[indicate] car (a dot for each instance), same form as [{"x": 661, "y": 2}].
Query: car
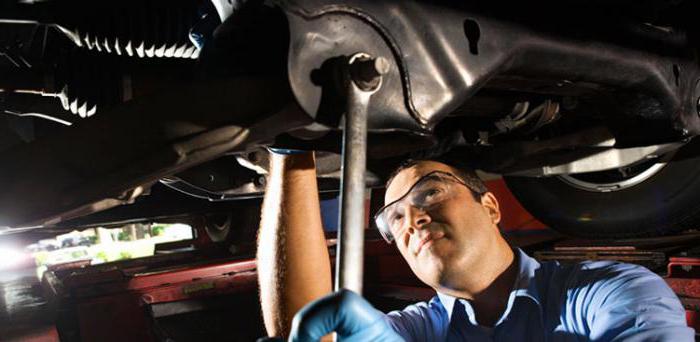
[
  {"x": 44, "y": 245},
  {"x": 588, "y": 109},
  {"x": 75, "y": 241}
]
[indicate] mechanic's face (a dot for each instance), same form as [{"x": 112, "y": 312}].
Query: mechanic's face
[{"x": 442, "y": 242}]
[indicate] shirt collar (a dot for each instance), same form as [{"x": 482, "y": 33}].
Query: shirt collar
[{"x": 524, "y": 286}]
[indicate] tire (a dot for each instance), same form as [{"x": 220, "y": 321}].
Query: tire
[{"x": 665, "y": 202}]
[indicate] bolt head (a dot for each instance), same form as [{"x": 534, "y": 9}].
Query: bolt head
[
  {"x": 366, "y": 72},
  {"x": 382, "y": 65},
  {"x": 260, "y": 181}
]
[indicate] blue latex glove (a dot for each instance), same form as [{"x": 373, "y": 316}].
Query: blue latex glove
[
  {"x": 277, "y": 150},
  {"x": 346, "y": 313}
]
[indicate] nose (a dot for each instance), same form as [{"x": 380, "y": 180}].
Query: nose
[{"x": 418, "y": 219}]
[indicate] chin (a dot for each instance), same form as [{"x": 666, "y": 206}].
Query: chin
[
  {"x": 433, "y": 275},
  {"x": 432, "y": 280}
]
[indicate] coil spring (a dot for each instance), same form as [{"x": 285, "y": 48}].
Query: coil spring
[
  {"x": 15, "y": 41},
  {"x": 84, "y": 84},
  {"x": 143, "y": 28}
]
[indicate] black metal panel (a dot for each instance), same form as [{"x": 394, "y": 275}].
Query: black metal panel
[{"x": 441, "y": 55}]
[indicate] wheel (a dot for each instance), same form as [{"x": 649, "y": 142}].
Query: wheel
[{"x": 653, "y": 198}]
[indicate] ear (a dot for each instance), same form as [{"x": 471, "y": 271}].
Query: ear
[{"x": 489, "y": 201}]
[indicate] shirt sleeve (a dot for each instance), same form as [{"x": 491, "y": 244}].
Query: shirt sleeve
[
  {"x": 623, "y": 302},
  {"x": 420, "y": 322}
]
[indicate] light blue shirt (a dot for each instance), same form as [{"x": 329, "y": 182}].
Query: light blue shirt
[{"x": 589, "y": 301}]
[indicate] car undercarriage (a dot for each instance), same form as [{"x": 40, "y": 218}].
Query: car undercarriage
[{"x": 587, "y": 108}]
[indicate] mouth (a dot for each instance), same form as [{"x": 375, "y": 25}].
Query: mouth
[{"x": 428, "y": 240}]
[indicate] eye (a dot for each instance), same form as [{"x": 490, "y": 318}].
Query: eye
[
  {"x": 430, "y": 195},
  {"x": 395, "y": 224},
  {"x": 433, "y": 192},
  {"x": 395, "y": 217}
]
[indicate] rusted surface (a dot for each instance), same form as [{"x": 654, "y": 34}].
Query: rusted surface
[
  {"x": 685, "y": 287},
  {"x": 684, "y": 278}
]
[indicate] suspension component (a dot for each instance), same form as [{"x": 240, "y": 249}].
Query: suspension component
[
  {"x": 76, "y": 79},
  {"x": 84, "y": 84},
  {"x": 142, "y": 28},
  {"x": 527, "y": 120}
]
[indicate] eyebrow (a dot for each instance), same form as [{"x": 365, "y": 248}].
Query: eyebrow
[
  {"x": 390, "y": 211},
  {"x": 420, "y": 179}
]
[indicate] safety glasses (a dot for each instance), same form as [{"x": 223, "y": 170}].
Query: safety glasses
[{"x": 425, "y": 194}]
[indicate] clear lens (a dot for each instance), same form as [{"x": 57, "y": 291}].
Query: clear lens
[
  {"x": 428, "y": 191},
  {"x": 382, "y": 226}
]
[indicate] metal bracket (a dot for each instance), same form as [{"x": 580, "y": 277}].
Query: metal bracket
[{"x": 607, "y": 158}]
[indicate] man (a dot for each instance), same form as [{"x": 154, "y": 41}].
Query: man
[{"x": 444, "y": 223}]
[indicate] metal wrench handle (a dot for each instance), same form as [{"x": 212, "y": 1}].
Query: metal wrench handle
[{"x": 364, "y": 76}]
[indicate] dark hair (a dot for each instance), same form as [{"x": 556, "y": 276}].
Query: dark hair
[{"x": 467, "y": 175}]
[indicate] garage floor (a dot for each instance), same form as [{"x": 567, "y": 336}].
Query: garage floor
[{"x": 24, "y": 314}]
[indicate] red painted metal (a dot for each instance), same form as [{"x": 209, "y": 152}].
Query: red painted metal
[
  {"x": 69, "y": 265},
  {"x": 683, "y": 276},
  {"x": 33, "y": 333},
  {"x": 236, "y": 283},
  {"x": 113, "y": 318},
  {"x": 685, "y": 287},
  {"x": 185, "y": 274},
  {"x": 513, "y": 216},
  {"x": 693, "y": 319},
  {"x": 110, "y": 304},
  {"x": 677, "y": 264}
]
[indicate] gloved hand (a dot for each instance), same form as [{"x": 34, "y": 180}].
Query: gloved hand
[{"x": 346, "y": 313}]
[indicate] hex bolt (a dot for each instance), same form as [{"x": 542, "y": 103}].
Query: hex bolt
[
  {"x": 260, "y": 181},
  {"x": 366, "y": 72}
]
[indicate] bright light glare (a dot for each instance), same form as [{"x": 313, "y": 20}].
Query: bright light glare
[{"x": 10, "y": 258}]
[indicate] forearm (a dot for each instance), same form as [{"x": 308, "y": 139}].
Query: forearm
[{"x": 293, "y": 262}]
